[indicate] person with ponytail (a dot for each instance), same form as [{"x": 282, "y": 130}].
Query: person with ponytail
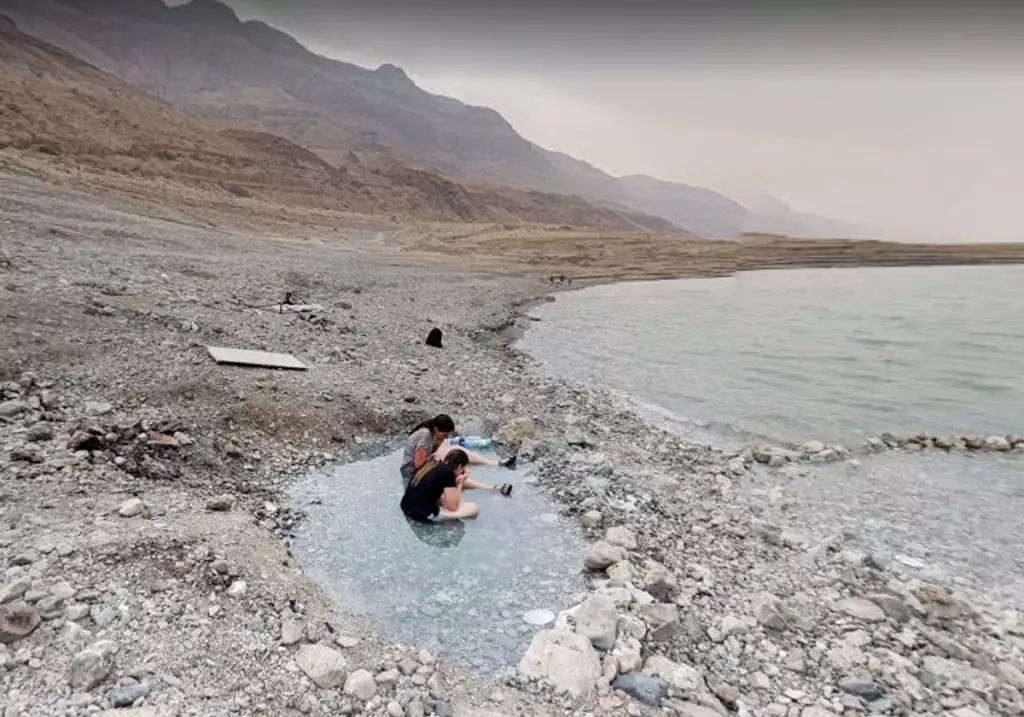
[
  {"x": 435, "y": 492},
  {"x": 429, "y": 440}
]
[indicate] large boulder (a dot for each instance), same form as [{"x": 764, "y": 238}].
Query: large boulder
[
  {"x": 564, "y": 659},
  {"x": 326, "y": 667},
  {"x": 597, "y": 620}
]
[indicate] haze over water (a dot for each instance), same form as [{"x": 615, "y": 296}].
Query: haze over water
[{"x": 806, "y": 354}]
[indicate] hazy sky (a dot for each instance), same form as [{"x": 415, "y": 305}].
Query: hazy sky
[{"x": 911, "y": 123}]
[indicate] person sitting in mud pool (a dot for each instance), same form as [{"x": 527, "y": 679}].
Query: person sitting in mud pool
[
  {"x": 434, "y": 494},
  {"x": 429, "y": 440}
]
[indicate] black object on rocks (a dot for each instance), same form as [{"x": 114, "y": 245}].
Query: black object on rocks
[
  {"x": 434, "y": 338},
  {"x": 648, "y": 690}
]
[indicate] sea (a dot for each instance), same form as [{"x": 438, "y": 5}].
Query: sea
[{"x": 835, "y": 355}]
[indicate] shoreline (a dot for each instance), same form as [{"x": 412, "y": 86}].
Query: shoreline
[{"x": 157, "y": 568}]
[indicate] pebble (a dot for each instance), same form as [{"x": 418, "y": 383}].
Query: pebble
[
  {"x": 220, "y": 503},
  {"x": 131, "y": 508}
]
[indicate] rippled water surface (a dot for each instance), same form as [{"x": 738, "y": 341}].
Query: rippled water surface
[
  {"x": 833, "y": 355},
  {"x": 461, "y": 588},
  {"x": 824, "y": 354}
]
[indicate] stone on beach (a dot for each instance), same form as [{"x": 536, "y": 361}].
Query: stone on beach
[
  {"x": 602, "y": 555},
  {"x": 597, "y": 619},
  {"x": 92, "y": 665},
  {"x": 861, "y": 609},
  {"x": 566, "y": 660},
  {"x": 621, "y": 537},
  {"x": 361, "y": 685},
  {"x": 17, "y": 621},
  {"x": 326, "y": 668}
]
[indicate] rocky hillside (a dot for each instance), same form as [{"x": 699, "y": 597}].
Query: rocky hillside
[
  {"x": 201, "y": 56},
  {"x": 62, "y": 110}
]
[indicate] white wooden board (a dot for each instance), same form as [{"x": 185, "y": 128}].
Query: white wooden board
[{"x": 245, "y": 357}]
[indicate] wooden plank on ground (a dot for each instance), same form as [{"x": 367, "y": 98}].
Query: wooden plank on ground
[{"x": 245, "y": 357}]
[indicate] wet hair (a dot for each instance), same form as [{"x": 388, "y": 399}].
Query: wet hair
[
  {"x": 440, "y": 422},
  {"x": 456, "y": 458}
]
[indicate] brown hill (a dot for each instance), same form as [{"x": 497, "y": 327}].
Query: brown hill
[
  {"x": 60, "y": 108},
  {"x": 201, "y": 56}
]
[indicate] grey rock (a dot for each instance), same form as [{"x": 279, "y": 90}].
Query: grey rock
[
  {"x": 220, "y": 503},
  {"x": 93, "y": 665},
  {"x": 865, "y": 689},
  {"x": 659, "y": 582},
  {"x": 662, "y": 621},
  {"x": 17, "y": 621},
  {"x": 126, "y": 696},
  {"x": 592, "y": 519},
  {"x": 15, "y": 590},
  {"x": 9, "y": 409},
  {"x": 291, "y": 632},
  {"x": 602, "y": 555},
  {"x": 621, "y": 536},
  {"x": 566, "y": 660},
  {"x": 893, "y": 607},
  {"x": 361, "y": 685},
  {"x": 684, "y": 678},
  {"x": 97, "y": 408},
  {"x": 131, "y": 508},
  {"x": 74, "y": 635},
  {"x": 326, "y": 667},
  {"x": 395, "y": 710},
  {"x": 861, "y": 609},
  {"x": 597, "y": 619},
  {"x": 647, "y": 689},
  {"x": 39, "y": 433}
]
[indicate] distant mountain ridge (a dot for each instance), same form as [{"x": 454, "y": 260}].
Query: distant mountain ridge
[{"x": 203, "y": 57}]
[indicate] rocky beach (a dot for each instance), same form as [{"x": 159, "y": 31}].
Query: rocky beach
[{"x": 145, "y": 532}]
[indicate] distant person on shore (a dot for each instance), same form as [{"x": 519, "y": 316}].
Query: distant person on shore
[
  {"x": 434, "y": 494},
  {"x": 430, "y": 440}
]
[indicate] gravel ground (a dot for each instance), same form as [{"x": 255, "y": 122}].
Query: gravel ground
[{"x": 144, "y": 536}]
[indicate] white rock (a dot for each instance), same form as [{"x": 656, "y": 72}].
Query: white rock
[
  {"x": 566, "y": 660},
  {"x": 291, "y": 632},
  {"x": 98, "y": 408},
  {"x": 238, "y": 588},
  {"x": 539, "y": 618},
  {"x": 361, "y": 685},
  {"x": 597, "y": 620},
  {"x": 327, "y": 668},
  {"x": 131, "y": 508},
  {"x": 592, "y": 519}
]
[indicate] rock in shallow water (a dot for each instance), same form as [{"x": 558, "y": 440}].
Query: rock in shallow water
[
  {"x": 539, "y": 618},
  {"x": 602, "y": 555}
]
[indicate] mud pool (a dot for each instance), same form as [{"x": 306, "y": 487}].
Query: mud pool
[{"x": 461, "y": 589}]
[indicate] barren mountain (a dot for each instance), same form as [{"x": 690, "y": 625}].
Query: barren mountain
[
  {"x": 202, "y": 57},
  {"x": 59, "y": 108}
]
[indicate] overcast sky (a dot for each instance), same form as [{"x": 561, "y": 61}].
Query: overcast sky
[{"x": 910, "y": 121}]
